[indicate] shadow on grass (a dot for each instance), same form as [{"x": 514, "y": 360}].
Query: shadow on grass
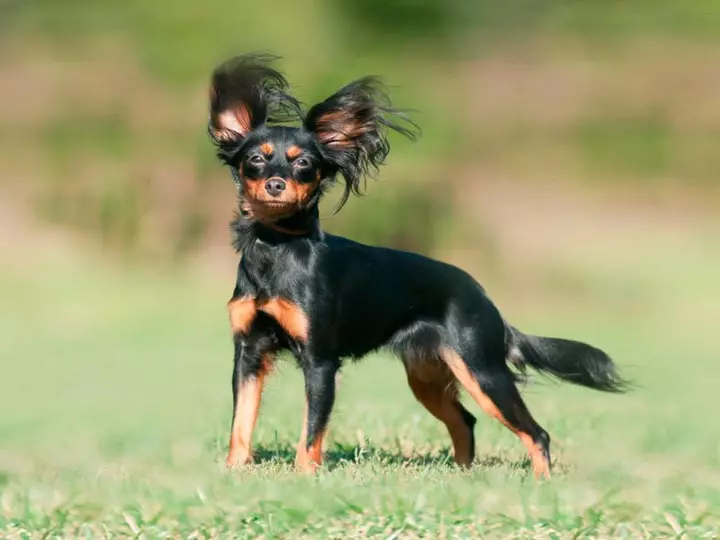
[{"x": 340, "y": 455}]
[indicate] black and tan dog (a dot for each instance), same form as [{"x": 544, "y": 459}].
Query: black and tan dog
[{"x": 327, "y": 298}]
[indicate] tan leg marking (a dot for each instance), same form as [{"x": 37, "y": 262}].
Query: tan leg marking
[
  {"x": 245, "y": 417},
  {"x": 540, "y": 465},
  {"x": 436, "y": 389},
  {"x": 307, "y": 460}
]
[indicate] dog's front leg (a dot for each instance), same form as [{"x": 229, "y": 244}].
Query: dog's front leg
[
  {"x": 320, "y": 381},
  {"x": 249, "y": 372}
]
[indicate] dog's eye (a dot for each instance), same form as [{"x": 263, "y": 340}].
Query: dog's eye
[
  {"x": 257, "y": 160},
  {"x": 301, "y": 162}
]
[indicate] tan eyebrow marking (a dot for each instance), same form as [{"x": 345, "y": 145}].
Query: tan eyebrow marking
[{"x": 293, "y": 152}]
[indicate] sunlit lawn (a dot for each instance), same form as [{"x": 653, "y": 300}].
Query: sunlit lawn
[{"x": 115, "y": 403}]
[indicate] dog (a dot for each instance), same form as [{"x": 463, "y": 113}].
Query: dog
[{"x": 326, "y": 298}]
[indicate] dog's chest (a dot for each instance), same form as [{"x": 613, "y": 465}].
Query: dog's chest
[
  {"x": 289, "y": 316},
  {"x": 263, "y": 281}
]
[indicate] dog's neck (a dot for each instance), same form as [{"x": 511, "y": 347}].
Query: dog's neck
[{"x": 303, "y": 225}]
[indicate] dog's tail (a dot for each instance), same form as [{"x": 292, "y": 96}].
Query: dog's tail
[{"x": 568, "y": 360}]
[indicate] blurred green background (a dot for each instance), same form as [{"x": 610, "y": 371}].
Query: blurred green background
[
  {"x": 569, "y": 160},
  {"x": 103, "y": 108}
]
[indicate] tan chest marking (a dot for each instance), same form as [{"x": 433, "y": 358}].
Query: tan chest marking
[
  {"x": 242, "y": 311},
  {"x": 288, "y": 315}
]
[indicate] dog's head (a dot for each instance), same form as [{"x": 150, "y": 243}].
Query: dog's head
[{"x": 284, "y": 169}]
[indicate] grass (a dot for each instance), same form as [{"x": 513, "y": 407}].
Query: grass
[
  {"x": 115, "y": 406},
  {"x": 114, "y": 389}
]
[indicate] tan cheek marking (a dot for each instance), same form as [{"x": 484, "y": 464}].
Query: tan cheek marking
[
  {"x": 242, "y": 312},
  {"x": 289, "y": 316},
  {"x": 303, "y": 191},
  {"x": 267, "y": 148},
  {"x": 254, "y": 187},
  {"x": 293, "y": 152}
]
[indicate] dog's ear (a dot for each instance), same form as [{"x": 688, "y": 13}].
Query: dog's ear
[
  {"x": 245, "y": 93},
  {"x": 351, "y": 129}
]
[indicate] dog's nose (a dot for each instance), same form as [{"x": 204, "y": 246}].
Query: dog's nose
[{"x": 275, "y": 186}]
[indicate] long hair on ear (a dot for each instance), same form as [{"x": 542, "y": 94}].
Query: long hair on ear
[
  {"x": 245, "y": 93},
  {"x": 351, "y": 128}
]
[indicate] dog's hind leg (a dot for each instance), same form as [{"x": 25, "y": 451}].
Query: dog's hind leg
[
  {"x": 435, "y": 387},
  {"x": 494, "y": 390}
]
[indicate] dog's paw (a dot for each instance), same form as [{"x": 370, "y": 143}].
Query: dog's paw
[{"x": 236, "y": 460}]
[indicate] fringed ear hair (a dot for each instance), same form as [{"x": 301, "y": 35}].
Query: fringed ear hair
[
  {"x": 245, "y": 93},
  {"x": 351, "y": 129}
]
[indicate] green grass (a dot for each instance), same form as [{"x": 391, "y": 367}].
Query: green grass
[{"x": 115, "y": 405}]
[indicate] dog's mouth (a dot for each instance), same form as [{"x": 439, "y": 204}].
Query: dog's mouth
[
  {"x": 264, "y": 205},
  {"x": 269, "y": 211},
  {"x": 274, "y": 205}
]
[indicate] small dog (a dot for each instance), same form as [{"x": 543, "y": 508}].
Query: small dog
[{"x": 327, "y": 298}]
